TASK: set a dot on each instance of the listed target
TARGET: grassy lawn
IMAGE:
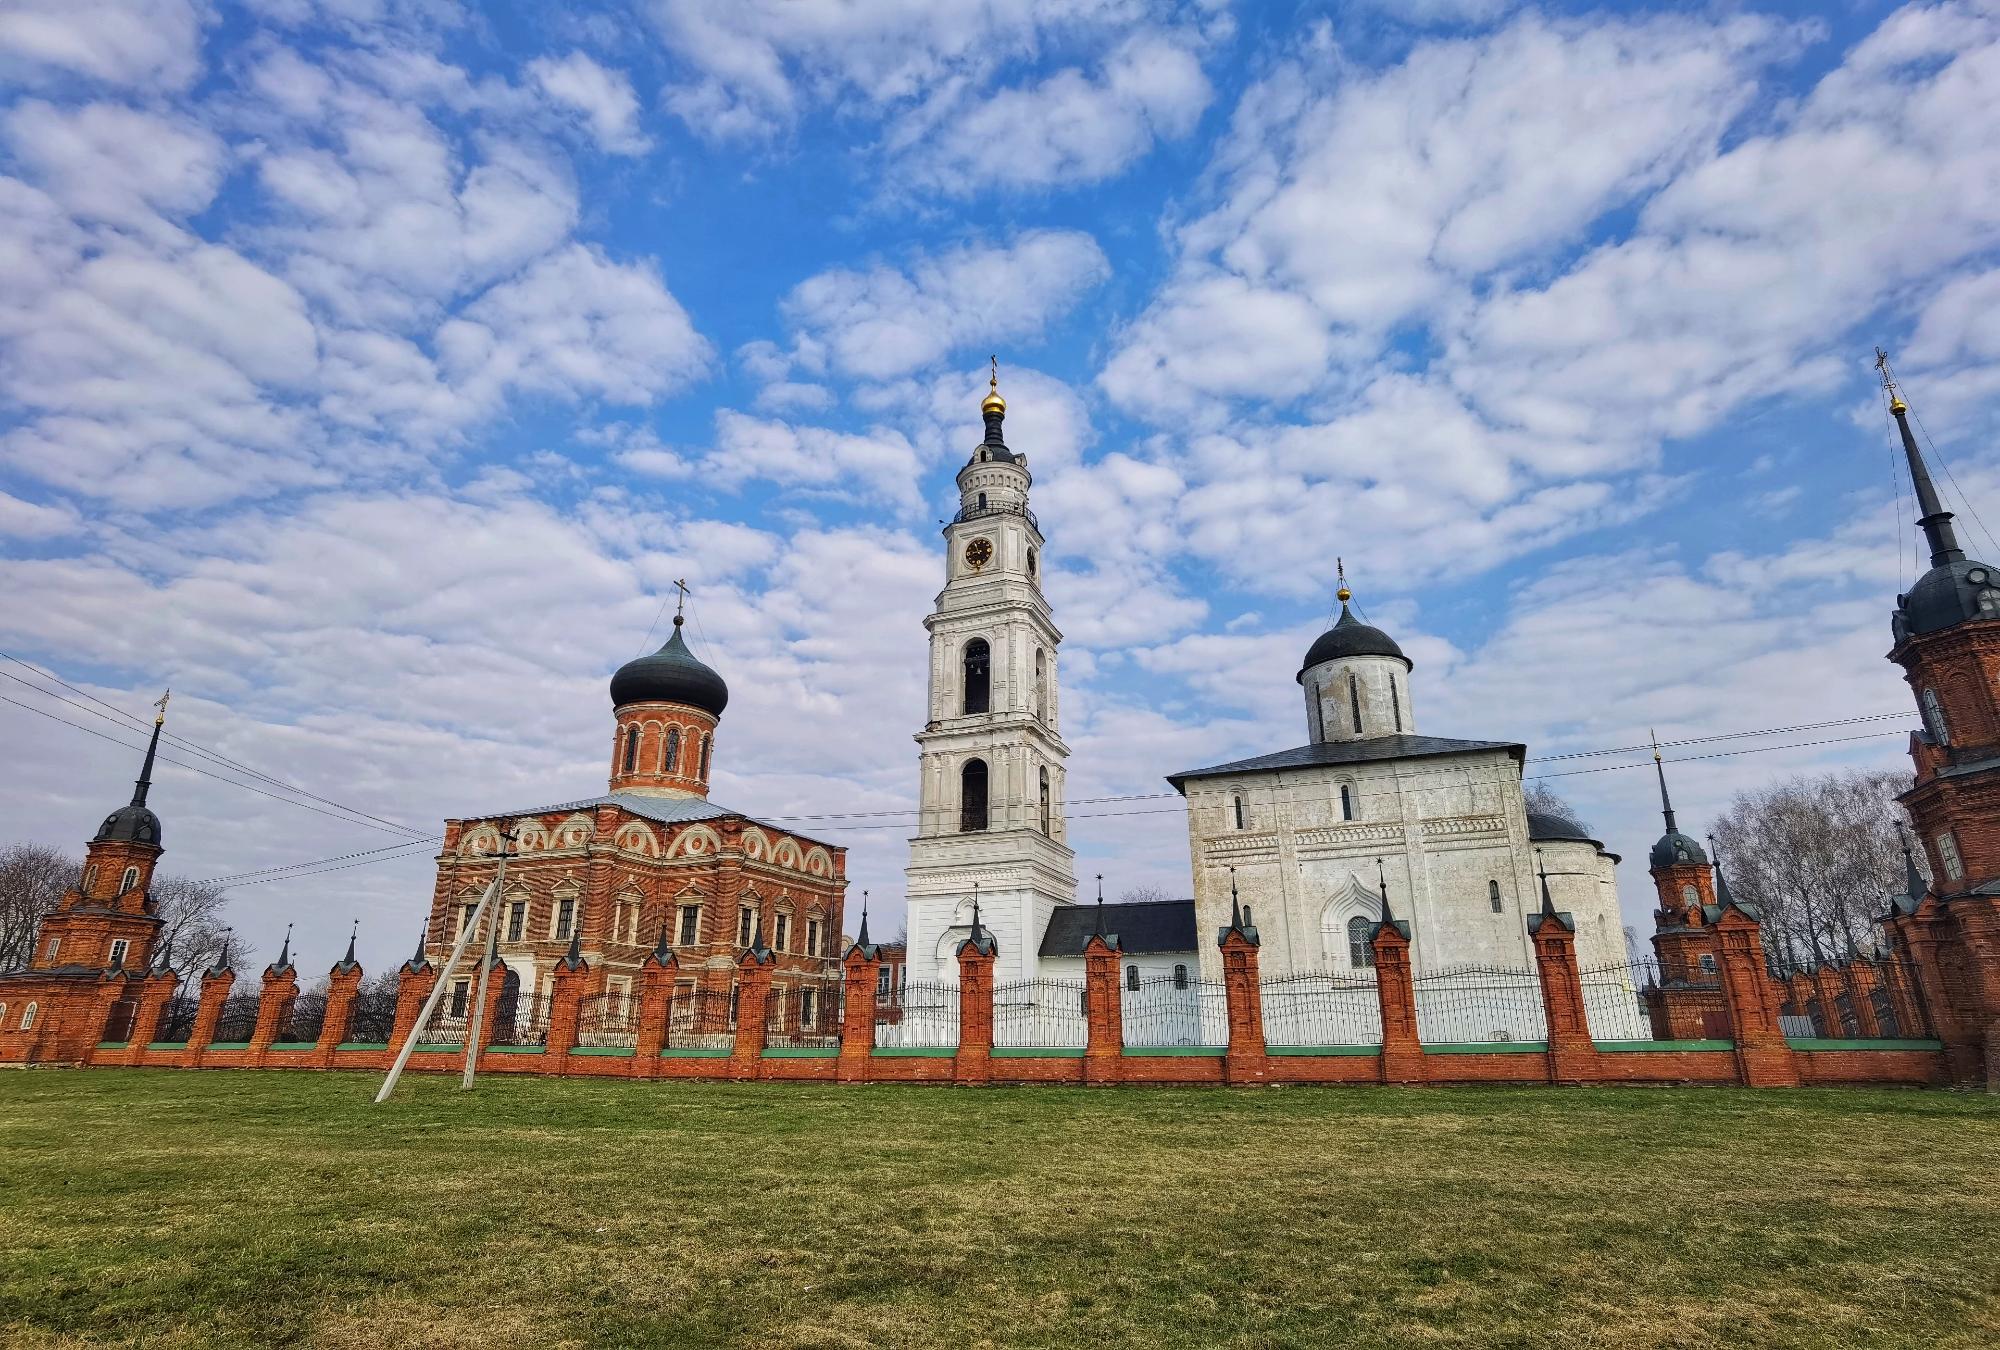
(261, 1208)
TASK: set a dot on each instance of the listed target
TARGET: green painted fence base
(1321, 1050)
(610, 1051)
(296, 1045)
(167, 1045)
(916, 1051)
(112, 1045)
(1488, 1048)
(362, 1045)
(1188, 1051)
(1826, 1043)
(801, 1052)
(517, 1050)
(229, 1045)
(1626, 1047)
(1036, 1052)
(693, 1052)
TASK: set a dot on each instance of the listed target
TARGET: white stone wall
(1377, 686)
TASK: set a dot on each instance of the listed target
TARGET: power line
(348, 819)
(122, 718)
(267, 873)
(1723, 754)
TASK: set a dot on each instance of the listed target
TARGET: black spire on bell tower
(1935, 520)
(135, 822)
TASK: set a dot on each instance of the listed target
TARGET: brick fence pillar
(153, 995)
(215, 986)
(274, 1004)
(1395, 988)
(1977, 930)
(857, 1008)
(77, 1020)
(1572, 1054)
(569, 984)
(343, 985)
(1103, 1010)
(973, 1064)
(414, 983)
(1245, 1061)
(1763, 1057)
(656, 1007)
(753, 997)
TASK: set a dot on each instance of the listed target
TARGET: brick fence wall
(1756, 1052)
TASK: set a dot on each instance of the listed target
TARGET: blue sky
(368, 370)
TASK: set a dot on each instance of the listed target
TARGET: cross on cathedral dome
(670, 675)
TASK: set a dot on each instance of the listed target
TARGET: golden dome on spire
(993, 403)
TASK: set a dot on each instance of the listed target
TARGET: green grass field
(266, 1208)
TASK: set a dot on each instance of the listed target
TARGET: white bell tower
(991, 760)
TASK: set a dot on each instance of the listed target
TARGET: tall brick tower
(1685, 1005)
(1947, 640)
(106, 921)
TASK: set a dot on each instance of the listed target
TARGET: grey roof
(665, 810)
(1947, 594)
(1674, 849)
(1144, 926)
(1366, 751)
(1552, 827)
(670, 675)
(1349, 637)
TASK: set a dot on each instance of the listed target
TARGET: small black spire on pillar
(348, 962)
(862, 941)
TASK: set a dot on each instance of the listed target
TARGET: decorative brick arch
(696, 841)
(574, 832)
(818, 862)
(479, 841)
(638, 838)
(755, 844)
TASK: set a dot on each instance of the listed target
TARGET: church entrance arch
(1352, 901)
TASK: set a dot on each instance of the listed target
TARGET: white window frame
(28, 1015)
(55, 945)
(688, 917)
(562, 917)
(128, 880)
(1948, 855)
(119, 946)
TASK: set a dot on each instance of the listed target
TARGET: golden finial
(993, 403)
(1654, 736)
(1896, 404)
(161, 716)
(1343, 594)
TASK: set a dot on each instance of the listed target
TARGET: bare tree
(1818, 854)
(191, 926)
(32, 878)
(1145, 895)
(1545, 800)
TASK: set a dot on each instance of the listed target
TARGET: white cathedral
(1293, 837)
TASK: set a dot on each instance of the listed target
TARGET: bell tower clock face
(978, 553)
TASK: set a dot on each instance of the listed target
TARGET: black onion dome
(1674, 848)
(1949, 593)
(1350, 637)
(132, 824)
(670, 675)
(1550, 827)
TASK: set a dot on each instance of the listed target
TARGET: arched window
(1354, 700)
(3, 1015)
(707, 744)
(978, 676)
(670, 756)
(972, 795)
(1045, 800)
(129, 880)
(1031, 564)
(1493, 896)
(1690, 896)
(1041, 685)
(1934, 717)
(1359, 954)
(89, 877)
(631, 748)
(982, 501)
(1237, 804)
(1131, 977)
(1396, 702)
(28, 1016)
(1346, 802)
(1180, 977)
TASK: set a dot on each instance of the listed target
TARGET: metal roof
(1369, 750)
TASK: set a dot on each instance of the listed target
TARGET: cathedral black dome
(133, 824)
(670, 675)
(1551, 827)
(1350, 637)
(1674, 848)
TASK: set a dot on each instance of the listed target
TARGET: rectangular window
(118, 952)
(1708, 962)
(882, 985)
(745, 920)
(619, 987)
(516, 917)
(1954, 866)
(55, 945)
(808, 1008)
(784, 932)
(464, 917)
(690, 924)
(459, 995)
(812, 937)
(565, 915)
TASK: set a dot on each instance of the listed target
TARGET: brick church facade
(651, 866)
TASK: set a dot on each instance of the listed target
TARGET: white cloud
(881, 463)
(142, 44)
(888, 321)
(602, 98)
(106, 162)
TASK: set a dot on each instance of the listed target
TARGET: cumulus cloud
(150, 44)
(601, 98)
(888, 321)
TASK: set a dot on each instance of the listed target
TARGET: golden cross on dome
(680, 605)
(1896, 403)
(993, 381)
(1343, 594)
(162, 706)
